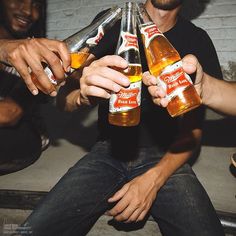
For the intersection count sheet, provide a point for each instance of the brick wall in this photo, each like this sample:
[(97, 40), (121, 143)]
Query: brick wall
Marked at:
[(217, 17)]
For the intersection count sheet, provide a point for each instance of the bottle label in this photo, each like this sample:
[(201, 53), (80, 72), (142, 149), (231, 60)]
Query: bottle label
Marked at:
[(129, 41), (50, 75), (126, 99), (149, 32), (96, 39), (174, 80)]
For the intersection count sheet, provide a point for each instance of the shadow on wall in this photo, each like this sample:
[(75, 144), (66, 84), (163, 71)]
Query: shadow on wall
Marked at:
[(191, 9)]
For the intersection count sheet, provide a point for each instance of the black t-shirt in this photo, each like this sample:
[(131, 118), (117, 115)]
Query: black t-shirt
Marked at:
[(156, 128)]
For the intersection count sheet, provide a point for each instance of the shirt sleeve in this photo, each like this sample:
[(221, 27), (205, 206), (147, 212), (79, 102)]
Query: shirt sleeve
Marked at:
[(206, 54)]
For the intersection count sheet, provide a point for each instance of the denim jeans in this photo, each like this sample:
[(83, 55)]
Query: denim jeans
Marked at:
[(181, 208)]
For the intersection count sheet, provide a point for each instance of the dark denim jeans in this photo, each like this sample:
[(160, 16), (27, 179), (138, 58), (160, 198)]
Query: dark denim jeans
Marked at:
[(182, 207)]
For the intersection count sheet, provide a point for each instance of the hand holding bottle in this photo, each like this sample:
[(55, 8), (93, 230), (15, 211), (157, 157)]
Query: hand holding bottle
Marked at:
[(190, 66), (78, 50), (27, 55), (99, 79), (165, 64)]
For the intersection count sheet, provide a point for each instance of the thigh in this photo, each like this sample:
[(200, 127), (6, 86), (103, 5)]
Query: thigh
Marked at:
[(183, 208), (79, 198)]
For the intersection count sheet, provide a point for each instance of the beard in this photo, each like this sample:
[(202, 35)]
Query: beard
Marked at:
[(166, 4)]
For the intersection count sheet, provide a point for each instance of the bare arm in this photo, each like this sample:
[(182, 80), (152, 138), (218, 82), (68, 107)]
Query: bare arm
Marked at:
[(135, 198), (68, 98), (27, 55), (219, 95)]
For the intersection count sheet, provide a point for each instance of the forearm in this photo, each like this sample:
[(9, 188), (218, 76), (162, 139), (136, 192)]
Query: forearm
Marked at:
[(68, 102), (219, 95), (178, 155), (168, 165), (2, 51), (72, 101)]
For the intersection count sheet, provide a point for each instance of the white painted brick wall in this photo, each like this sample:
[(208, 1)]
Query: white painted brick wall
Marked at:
[(218, 19)]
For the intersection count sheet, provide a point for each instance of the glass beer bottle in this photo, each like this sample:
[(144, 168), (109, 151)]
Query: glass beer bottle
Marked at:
[(124, 106), (80, 43), (165, 63)]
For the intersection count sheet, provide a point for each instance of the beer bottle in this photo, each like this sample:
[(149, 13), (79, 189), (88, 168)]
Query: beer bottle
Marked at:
[(124, 106), (165, 63), (80, 43)]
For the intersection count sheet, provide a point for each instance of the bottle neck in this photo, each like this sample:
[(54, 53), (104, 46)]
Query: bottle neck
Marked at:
[(127, 46), (90, 36)]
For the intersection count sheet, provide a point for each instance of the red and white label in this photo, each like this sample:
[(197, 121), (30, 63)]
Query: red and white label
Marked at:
[(149, 32), (174, 80), (129, 41), (96, 39), (126, 99)]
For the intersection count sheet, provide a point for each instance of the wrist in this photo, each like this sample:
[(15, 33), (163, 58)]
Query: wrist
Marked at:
[(2, 51), (206, 90), (83, 100), (158, 176), (71, 101)]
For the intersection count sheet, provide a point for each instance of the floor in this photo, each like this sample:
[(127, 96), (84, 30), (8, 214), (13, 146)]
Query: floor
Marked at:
[(71, 137)]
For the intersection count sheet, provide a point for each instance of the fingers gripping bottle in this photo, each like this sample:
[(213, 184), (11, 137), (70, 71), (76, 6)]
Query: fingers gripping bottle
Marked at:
[(165, 63), (124, 106), (80, 43)]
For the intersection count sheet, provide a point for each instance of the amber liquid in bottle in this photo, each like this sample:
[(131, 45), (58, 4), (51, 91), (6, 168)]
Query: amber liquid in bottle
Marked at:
[(131, 117), (160, 54), (77, 60)]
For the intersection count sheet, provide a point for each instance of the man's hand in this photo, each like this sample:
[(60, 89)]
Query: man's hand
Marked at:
[(190, 66), (135, 198), (27, 55), (99, 79)]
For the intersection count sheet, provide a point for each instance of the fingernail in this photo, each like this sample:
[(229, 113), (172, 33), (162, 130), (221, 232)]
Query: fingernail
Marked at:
[(108, 96), (34, 92), (53, 94), (126, 81), (116, 88)]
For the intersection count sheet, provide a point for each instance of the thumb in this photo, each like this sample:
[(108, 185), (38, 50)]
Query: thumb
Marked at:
[(190, 64)]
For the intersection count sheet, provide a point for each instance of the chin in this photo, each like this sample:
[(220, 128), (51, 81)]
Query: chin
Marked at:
[(19, 33), (168, 5)]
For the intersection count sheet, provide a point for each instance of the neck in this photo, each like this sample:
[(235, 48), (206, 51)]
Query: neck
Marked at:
[(164, 20)]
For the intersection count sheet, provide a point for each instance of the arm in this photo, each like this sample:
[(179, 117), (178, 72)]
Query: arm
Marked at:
[(10, 112), (219, 95), (28, 54), (68, 98), (216, 94), (135, 198)]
